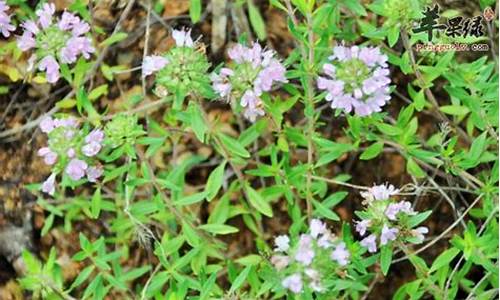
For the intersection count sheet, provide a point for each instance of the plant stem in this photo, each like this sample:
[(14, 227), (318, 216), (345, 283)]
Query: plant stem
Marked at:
[(307, 51), (310, 117)]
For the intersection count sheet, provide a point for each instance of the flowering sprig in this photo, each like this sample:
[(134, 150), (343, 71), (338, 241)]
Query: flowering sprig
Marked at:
[(180, 71), (5, 23), (357, 78), (316, 255), (70, 150), (55, 43), (251, 72), (388, 221)]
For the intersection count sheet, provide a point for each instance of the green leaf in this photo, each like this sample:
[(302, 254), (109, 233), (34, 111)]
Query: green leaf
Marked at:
[(455, 110), (219, 228), (135, 273), (419, 218), (258, 202), (324, 212), (82, 276), (195, 10), (233, 146), (197, 123), (214, 181), (115, 38), (47, 224), (393, 35), (98, 92), (414, 169), (238, 282), (372, 151), (95, 205), (444, 259), (249, 260), (190, 234), (385, 259), (355, 7), (389, 129), (256, 20), (157, 283), (191, 199), (207, 286)]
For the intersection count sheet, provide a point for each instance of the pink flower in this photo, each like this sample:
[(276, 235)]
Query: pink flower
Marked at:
[(315, 283), (368, 89), (237, 53), (252, 104), (3, 6), (93, 140), (317, 227), (31, 27), (50, 65), (76, 169), (221, 83), (71, 152), (26, 41), (280, 261), (341, 254), (395, 208), (91, 149), (49, 157), (388, 234), (183, 38), (293, 283), (419, 233), (305, 252), (268, 71), (66, 36), (47, 125), (392, 210), (361, 226), (250, 99), (96, 136), (74, 47), (282, 243), (67, 21), (326, 239), (5, 26), (251, 113), (66, 122), (370, 242), (152, 64), (329, 69), (94, 172), (380, 192), (48, 185), (45, 14), (80, 27), (274, 72)]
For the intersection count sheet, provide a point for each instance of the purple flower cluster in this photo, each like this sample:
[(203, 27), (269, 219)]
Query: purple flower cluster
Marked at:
[(54, 43), (183, 38), (254, 71), (380, 192), (5, 26), (153, 63), (318, 243), (386, 218), (357, 78), (71, 149)]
